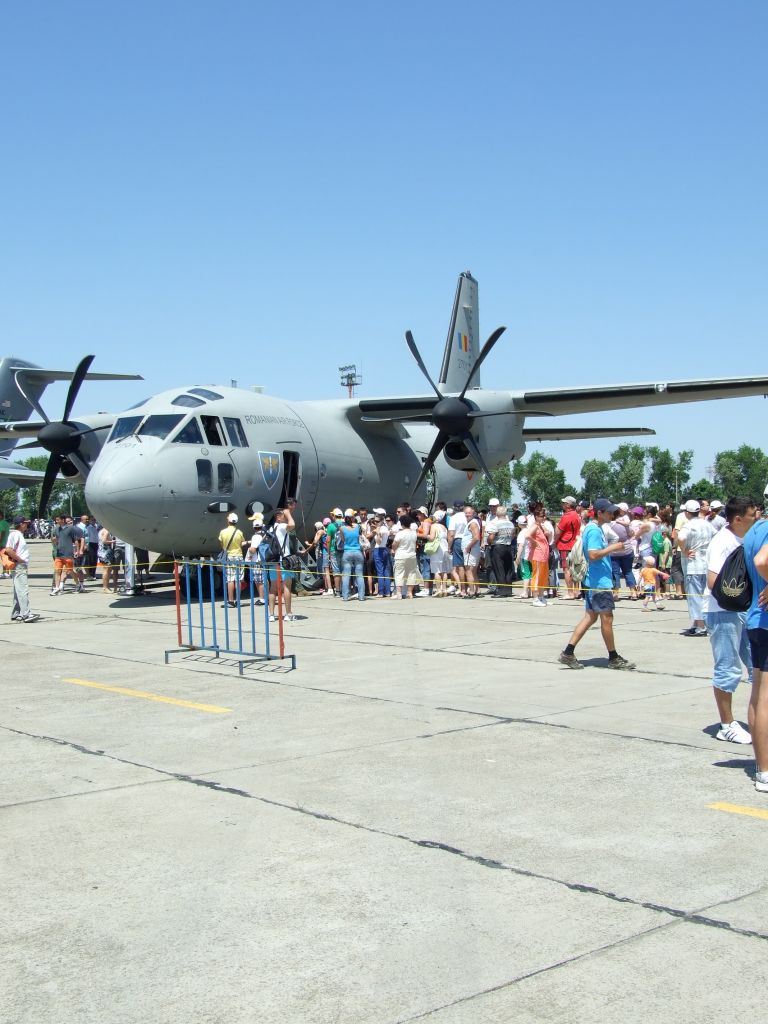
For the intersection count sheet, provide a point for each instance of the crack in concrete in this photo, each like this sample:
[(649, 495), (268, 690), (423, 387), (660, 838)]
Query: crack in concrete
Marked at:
[(690, 917)]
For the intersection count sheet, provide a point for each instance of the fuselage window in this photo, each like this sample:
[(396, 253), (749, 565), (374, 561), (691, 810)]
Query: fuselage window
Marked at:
[(226, 478), (212, 428), (125, 425), (190, 433), (188, 401), (204, 393), (204, 476), (159, 426), (236, 433)]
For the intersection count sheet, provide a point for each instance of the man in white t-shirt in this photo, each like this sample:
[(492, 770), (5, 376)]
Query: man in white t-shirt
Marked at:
[(16, 547), (694, 538), (728, 630), (457, 530)]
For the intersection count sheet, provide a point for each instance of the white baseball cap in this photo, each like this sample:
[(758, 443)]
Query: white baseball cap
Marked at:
[(691, 506), (494, 502), (232, 517)]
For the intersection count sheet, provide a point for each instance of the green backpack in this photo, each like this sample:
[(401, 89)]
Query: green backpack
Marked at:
[(657, 542)]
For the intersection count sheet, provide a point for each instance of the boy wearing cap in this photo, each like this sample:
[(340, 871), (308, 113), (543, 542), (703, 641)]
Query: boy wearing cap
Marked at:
[(17, 550), (597, 585)]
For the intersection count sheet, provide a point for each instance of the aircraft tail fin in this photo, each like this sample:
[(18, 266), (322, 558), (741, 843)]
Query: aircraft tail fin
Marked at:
[(463, 343), (13, 405)]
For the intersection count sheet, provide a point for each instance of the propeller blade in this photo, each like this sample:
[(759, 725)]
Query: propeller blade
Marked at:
[(481, 356), (474, 451), (51, 472), (74, 385), (417, 356), (440, 442)]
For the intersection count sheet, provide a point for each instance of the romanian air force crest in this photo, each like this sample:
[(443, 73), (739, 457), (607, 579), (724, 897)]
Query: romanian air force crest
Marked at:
[(270, 468)]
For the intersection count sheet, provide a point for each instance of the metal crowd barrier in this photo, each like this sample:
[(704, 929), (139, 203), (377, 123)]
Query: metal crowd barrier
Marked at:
[(203, 625)]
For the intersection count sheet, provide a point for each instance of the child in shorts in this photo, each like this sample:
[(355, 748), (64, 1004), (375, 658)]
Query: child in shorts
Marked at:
[(649, 577)]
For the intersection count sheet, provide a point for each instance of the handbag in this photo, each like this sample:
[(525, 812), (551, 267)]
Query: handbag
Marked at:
[(432, 546), (223, 556)]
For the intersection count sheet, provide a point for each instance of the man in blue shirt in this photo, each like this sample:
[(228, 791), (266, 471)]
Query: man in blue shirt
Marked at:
[(598, 588), (756, 556)]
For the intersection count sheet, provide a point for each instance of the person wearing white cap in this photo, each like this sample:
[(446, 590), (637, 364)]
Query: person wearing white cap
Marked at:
[(717, 514), (252, 555), (728, 629), (694, 538), (231, 542)]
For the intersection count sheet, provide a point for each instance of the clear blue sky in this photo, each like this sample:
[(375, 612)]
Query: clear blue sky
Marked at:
[(206, 191)]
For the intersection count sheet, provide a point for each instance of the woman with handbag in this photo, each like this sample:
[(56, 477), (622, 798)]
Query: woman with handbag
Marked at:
[(440, 562)]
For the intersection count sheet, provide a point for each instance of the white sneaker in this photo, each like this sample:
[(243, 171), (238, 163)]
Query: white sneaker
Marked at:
[(733, 733), (538, 603), (273, 618), (761, 782), (54, 592), (289, 618)]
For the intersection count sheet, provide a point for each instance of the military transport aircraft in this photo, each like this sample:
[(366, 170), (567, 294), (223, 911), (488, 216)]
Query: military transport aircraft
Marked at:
[(21, 387), (173, 465)]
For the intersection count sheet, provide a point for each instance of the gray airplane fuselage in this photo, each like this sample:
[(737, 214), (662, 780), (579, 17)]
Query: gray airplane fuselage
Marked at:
[(156, 491)]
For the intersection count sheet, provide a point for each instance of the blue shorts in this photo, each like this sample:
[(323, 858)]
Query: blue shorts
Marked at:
[(599, 601), (457, 554), (758, 645), (285, 574), (335, 565)]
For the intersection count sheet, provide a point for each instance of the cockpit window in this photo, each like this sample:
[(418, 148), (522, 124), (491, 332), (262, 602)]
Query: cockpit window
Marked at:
[(213, 431), (125, 426), (204, 393), (189, 434), (236, 433), (188, 401), (138, 405), (159, 426)]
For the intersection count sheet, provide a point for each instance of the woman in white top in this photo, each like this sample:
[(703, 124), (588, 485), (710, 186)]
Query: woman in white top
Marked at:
[(407, 575)]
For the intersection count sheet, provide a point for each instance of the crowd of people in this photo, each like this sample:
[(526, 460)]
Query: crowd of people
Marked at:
[(81, 551)]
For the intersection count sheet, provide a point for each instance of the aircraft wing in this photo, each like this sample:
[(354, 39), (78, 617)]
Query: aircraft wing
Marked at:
[(38, 375), (582, 433), (13, 475), (15, 429), (566, 401)]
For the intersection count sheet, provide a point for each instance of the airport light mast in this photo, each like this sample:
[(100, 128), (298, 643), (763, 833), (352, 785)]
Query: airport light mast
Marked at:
[(350, 378)]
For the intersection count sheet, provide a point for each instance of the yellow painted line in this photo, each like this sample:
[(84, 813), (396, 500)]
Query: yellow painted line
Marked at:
[(751, 812), (212, 709)]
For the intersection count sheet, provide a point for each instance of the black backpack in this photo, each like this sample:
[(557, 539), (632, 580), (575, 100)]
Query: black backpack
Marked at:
[(270, 549), (733, 587)]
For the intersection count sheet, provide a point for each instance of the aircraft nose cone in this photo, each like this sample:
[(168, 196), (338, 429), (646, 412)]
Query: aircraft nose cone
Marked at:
[(124, 490)]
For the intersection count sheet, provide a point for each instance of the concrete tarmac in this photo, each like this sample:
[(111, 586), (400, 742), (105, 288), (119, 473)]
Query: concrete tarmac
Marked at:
[(429, 820)]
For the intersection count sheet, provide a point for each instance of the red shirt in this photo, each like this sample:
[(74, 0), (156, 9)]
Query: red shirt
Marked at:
[(570, 528)]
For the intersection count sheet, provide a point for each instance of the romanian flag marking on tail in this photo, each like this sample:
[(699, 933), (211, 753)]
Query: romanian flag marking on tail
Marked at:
[(462, 340)]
